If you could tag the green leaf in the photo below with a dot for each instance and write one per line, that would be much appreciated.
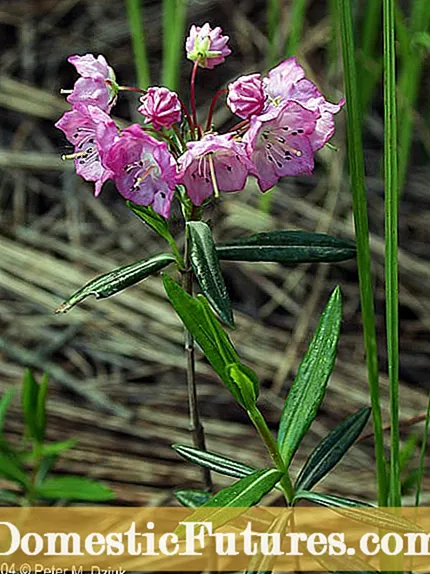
(30, 394)
(40, 415)
(159, 225)
(331, 449)
(4, 405)
(307, 391)
(74, 488)
(117, 280)
(232, 501)
(287, 247)
(213, 461)
(192, 498)
(9, 498)
(155, 221)
(11, 468)
(368, 514)
(246, 381)
(330, 500)
(55, 448)
(205, 264)
(207, 331)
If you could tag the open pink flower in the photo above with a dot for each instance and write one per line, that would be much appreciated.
(287, 82)
(279, 145)
(207, 46)
(90, 130)
(215, 163)
(246, 96)
(161, 107)
(97, 85)
(143, 169)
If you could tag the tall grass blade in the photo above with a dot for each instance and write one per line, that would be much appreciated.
(135, 23)
(296, 23)
(356, 167)
(273, 23)
(409, 82)
(369, 66)
(391, 242)
(174, 15)
(422, 456)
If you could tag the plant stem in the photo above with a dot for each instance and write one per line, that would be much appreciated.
(193, 95)
(391, 244)
(266, 436)
(196, 426)
(359, 202)
(135, 23)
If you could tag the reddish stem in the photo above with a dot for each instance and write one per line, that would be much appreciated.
(130, 89)
(193, 92)
(240, 126)
(212, 108)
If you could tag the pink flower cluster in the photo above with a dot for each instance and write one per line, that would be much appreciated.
(285, 119)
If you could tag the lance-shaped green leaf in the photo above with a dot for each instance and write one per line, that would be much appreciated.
(205, 328)
(232, 501)
(246, 381)
(158, 224)
(192, 498)
(11, 468)
(205, 264)
(331, 449)
(287, 247)
(4, 405)
(367, 514)
(117, 280)
(9, 498)
(40, 415)
(74, 488)
(213, 461)
(308, 389)
(30, 394)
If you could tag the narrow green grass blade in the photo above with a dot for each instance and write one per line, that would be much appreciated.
(410, 81)
(356, 168)
(391, 243)
(273, 21)
(174, 14)
(297, 19)
(422, 456)
(135, 23)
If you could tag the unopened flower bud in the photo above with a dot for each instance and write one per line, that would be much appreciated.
(161, 107)
(246, 96)
(207, 46)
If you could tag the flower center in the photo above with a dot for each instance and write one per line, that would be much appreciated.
(142, 169)
(276, 147)
(85, 146)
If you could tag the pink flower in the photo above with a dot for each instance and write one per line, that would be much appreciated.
(143, 169)
(216, 162)
(161, 107)
(90, 130)
(287, 82)
(207, 46)
(246, 96)
(278, 143)
(97, 85)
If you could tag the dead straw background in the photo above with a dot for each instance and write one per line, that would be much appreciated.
(116, 366)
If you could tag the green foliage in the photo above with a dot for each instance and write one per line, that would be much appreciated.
(29, 465)
(117, 280)
(287, 247)
(213, 461)
(192, 498)
(205, 264)
(73, 488)
(331, 450)
(158, 224)
(308, 389)
(232, 501)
